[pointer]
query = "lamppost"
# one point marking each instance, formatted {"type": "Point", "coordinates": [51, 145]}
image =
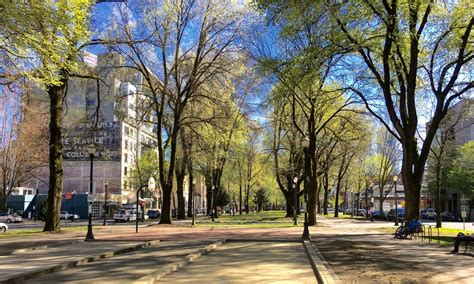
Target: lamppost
{"type": "Point", "coordinates": [74, 205]}
{"type": "Point", "coordinates": [91, 150]}
{"type": "Point", "coordinates": [352, 203]}
{"type": "Point", "coordinates": [295, 205]}
{"type": "Point", "coordinates": [395, 178]}
{"type": "Point", "coordinates": [212, 202]}
{"type": "Point", "coordinates": [192, 200]}
{"type": "Point", "coordinates": [105, 203]}
{"type": "Point", "coordinates": [366, 203]}
{"type": "Point", "coordinates": [372, 205]}
{"type": "Point", "coordinates": [305, 144]}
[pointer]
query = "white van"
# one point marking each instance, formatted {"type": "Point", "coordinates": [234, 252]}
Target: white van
{"type": "Point", "coordinates": [125, 215]}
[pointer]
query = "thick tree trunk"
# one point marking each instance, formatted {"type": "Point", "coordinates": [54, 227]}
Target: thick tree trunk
{"type": "Point", "coordinates": [52, 221]}
{"type": "Point", "coordinates": [438, 195]}
{"type": "Point", "coordinates": [289, 205]}
{"type": "Point", "coordinates": [166, 206]}
{"type": "Point", "coordinates": [180, 194]}
{"type": "Point", "coordinates": [412, 188]}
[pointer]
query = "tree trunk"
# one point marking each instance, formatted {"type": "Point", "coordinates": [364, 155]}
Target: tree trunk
{"type": "Point", "coordinates": [289, 205]}
{"type": "Point", "coordinates": [52, 221]}
{"type": "Point", "coordinates": [180, 194]}
{"type": "Point", "coordinates": [166, 206]}
{"type": "Point", "coordinates": [336, 204]}
{"type": "Point", "coordinates": [240, 196]}
{"type": "Point", "coordinates": [311, 200]}
{"type": "Point", "coordinates": [412, 188]}
{"type": "Point", "coordinates": [326, 193]}
{"type": "Point", "coordinates": [438, 194]}
{"type": "Point", "coordinates": [3, 204]}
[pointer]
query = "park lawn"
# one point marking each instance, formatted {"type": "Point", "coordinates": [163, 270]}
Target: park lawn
{"type": "Point", "coordinates": [446, 235]}
{"type": "Point", "coordinates": [264, 219]}
{"type": "Point", "coordinates": [39, 231]}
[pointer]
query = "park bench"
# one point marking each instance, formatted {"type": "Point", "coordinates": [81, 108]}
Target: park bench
{"type": "Point", "coordinates": [469, 245]}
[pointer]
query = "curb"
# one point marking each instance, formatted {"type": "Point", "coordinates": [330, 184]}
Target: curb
{"type": "Point", "coordinates": [61, 267]}
{"type": "Point", "coordinates": [58, 244]}
{"type": "Point", "coordinates": [168, 269]}
{"type": "Point", "coordinates": [324, 274]}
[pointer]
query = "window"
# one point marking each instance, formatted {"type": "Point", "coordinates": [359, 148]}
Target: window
{"type": "Point", "coordinates": [126, 144]}
{"type": "Point", "coordinates": [125, 184]}
{"type": "Point", "coordinates": [126, 130]}
{"type": "Point", "coordinates": [125, 171]}
{"type": "Point", "coordinates": [125, 158]}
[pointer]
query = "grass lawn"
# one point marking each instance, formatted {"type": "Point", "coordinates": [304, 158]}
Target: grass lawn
{"type": "Point", "coordinates": [264, 219]}
{"type": "Point", "coordinates": [36, 231]}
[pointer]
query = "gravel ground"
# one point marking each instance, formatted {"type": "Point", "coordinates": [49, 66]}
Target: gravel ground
{"type": "Point", "coordinates": [359, 254]}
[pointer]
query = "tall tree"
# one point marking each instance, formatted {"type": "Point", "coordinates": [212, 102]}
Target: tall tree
{"type": "Point", "coordinates": [178, 46]}
{"type": "Point", "coordinates": [43, 45]}
{"type": "Point", "coordinates": [409, 41]}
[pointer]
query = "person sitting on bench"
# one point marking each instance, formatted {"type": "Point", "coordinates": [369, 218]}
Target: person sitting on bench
{"type": "Point", "coordinates": [462, 238]}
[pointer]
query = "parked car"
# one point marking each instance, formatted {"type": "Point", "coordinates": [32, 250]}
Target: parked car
{"type": "Point", "coordinates": [331, 211]}
{"type": "Point", "coordinates": [448, 216]}
{"type": "Point", "coordinates": [67, 216]}
{"type": "Point", "coordinates": [9, 218]}
{"type": "Point", "coordinates": [153, 213]}
{"type": "Point", "coordinates": [125, 215]}
{"type": "Point", "coordinates": [348, 211]}
{"type": "Point", "coordinates": [3, 227]}
{"type": "Point", "coordinates": [423, 214]}
{"type": "Point", "coordinates": [376, 213]}
{"type": "Point", "coordinates": [391, 214]}
{"type": "Point", "coordinates": [430, 213]}
{"type": "Point", "coordinates": [362, 212]}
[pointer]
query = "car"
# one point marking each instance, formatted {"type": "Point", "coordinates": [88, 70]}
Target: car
{"type": "Point", "coordinates": [362, 212]}
{"type": "Point", "coordinates": [330, 210]}
{"type": "Point", "coordinates": [153, 213]}
{"type": "Point", "coordinates": [448, 216]}
{"type": "Point", "coordinates": [3, 227]}
{"type": "Point", "coordinates": [348, 211]}
{"type": "Point", "coordinates": [9, 218]}
{"type": "Point", "coordinates": [430, 213]}
{"type": "Point", "coordinates": [391, 214]}
{"type": "Point", "coordinates": [376, 213]}
{"type": "Point", "coordinates": [125, 215]}
{"type": "Point", "coordinates": [423, 214]}
{"type": "Point", "coordinates": [67, 216]}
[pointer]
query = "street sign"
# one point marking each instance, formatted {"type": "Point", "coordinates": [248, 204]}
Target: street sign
{"type": "Point", "coordinates": [463, 214]}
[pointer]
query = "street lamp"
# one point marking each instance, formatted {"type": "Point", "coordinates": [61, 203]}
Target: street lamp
{"type": "Point", "coordinates": [74, 205]}
{"type": "Point", "coordinates": [212, 202]}
{"type": "Point", "coordinates": [352, 203]}
{"type": "Point", "coordinates": [372, 205]}
{"type": "Point", "coordinates": [91, 150]}
{"type": "Point", "coordinates": [192, 200]}
{"type": "Point", "coordinates": [105, 203]}
{"type": "Point", "coordinates": [305, 144]}
{"type": "Point", "coordinates": [295, 194]}
{"type": "Point", "coordinates": [395, 178]}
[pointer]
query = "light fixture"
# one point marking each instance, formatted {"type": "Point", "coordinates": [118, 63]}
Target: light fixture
{"type": "Point", "coordinates": [91, 149]}
{"type": "Point", "coordinates": [305, 142]}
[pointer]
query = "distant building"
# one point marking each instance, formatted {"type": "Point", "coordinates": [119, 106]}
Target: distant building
{"type": "Point", "coordinates": [459, 127]}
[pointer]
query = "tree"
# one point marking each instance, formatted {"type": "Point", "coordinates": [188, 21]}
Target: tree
{"type": "Point", "coordinates": [178, 47]}
{"type": "Point", "coordinates": [23, 142]}
{"type": "Point", "coordinates": [461, 176]}
{"type": "Point", "coordinates": [44, 40]}
{"type": "Point", "coordinates": [261, 198]}
{"type": "Point", "coordinates": [222, 199]}
{"type": "Point", "coordinates": [410, 40]}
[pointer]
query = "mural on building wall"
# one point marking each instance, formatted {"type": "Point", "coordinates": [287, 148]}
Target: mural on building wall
{"type": "Point", "coordinates": [106, 137]}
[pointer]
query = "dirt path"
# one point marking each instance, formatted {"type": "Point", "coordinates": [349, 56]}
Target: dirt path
{"type": "Point", "coordinates": [358, 253]}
